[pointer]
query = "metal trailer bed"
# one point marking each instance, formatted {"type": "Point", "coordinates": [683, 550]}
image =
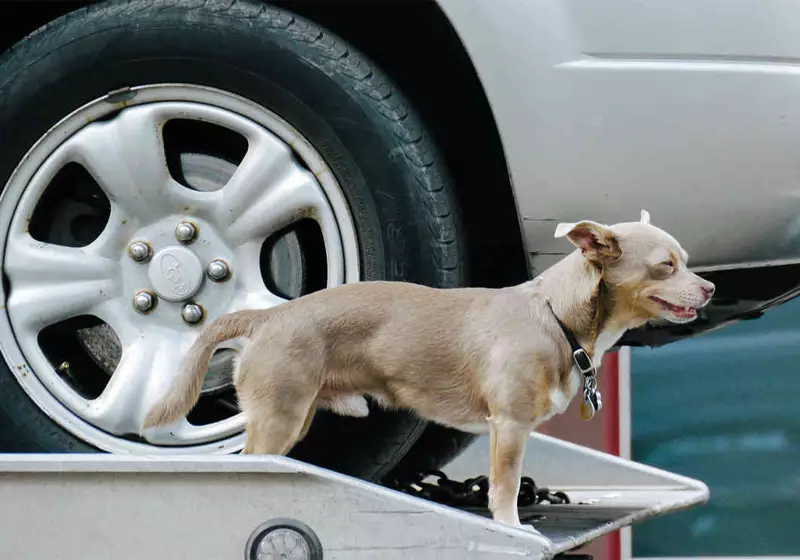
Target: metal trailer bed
{"type": "Point", "coordinates": [100, 506]}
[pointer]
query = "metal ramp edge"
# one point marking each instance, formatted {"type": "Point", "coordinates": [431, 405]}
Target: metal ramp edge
{"type": "Point", "coordinates": [607, 492]}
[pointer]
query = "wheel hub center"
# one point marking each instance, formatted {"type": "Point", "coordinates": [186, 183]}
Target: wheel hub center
{"type": "Point", "coordinates": [176, 273]}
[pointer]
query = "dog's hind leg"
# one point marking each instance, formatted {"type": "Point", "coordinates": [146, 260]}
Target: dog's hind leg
{"type": "Point", "coordinates": [277, 386]}
{"type": "Point", "coordinates": [307, 424]}
{"type": "Point", "coordinates": [279, 406]}
{"type": "Point", "coordinates": [507, 440]}
{"type": "Point", "coordinates": [275, 426]}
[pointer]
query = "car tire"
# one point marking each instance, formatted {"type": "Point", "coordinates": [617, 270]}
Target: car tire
{"type": "Point", "coordinates": [433, 450]}
{"type": "Point", "coordinates": [392, 176]}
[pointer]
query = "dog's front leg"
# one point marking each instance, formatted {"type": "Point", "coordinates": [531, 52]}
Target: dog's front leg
{"type": "Point", "coordinates": [507, 440]}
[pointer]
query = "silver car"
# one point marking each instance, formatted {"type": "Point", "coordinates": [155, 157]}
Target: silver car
{"type": "Point", "coordinates": [167, 161]}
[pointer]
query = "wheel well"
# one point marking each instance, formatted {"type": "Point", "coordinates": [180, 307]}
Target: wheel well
{"type": "Point", "coordinates": [416, 45]}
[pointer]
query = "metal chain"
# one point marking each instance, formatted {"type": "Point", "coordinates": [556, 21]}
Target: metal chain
{"type": "Point", "coordinates": [472, 492]}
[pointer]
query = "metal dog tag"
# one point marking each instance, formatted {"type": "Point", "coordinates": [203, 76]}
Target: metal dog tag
{"type": "Point", "coordinates": [592, 398]}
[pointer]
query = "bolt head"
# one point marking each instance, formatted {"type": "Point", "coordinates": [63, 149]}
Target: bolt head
{"type": "Point", "coordinates": [144, 301]}
{"type": "Point", "coordinates": [185, 232]}
{"type": "Point", "coordinates": [139, 251]}
{"type": "Point", "coordinates": [192, 313]}
{"type": "Point", "coordinates": [218, 270]}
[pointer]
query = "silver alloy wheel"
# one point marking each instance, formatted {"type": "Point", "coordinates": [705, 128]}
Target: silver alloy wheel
{"type": "Point", "coordinates": [118, 139]}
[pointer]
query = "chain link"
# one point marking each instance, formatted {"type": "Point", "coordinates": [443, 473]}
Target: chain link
{"type": "Point", "coordinates": [472, 492]}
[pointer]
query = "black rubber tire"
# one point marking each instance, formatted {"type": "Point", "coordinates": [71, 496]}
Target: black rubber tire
{"type": "Point", "coordinates": [433, 450]}
{"type": "Point", "coordinates": [395, 182]}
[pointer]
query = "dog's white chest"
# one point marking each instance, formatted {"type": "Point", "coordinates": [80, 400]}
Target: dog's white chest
{"type": "Point", "coordinates": [559, 400]}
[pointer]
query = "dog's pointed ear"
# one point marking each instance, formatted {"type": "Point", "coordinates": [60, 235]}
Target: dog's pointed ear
{"type": "Point", "coordinates": [596, 241]}
{"type": "Point", "coordinates": [645, 219]}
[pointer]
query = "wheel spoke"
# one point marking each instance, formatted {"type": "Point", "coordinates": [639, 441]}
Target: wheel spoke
{"type": "Point", "coordinates": [144, 374]}
{"type": "Point", "coordinates": [256, 299]}
{"type": "Point", "coordinates": [253, 293]}
{"type": "Point", "coordinates": [51, 283]}
{"type": "Point", "coordinates": [126, 157]}
{"type": "Point", "coordinates": [265, 162]}
{"type": "Point", "coordinates": [267, 192]}
{"type": "Point", "coordinates": [117, 233]}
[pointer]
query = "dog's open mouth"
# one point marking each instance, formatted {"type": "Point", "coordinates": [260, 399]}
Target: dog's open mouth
{"type": "Point", "coordinates": [676, 310]}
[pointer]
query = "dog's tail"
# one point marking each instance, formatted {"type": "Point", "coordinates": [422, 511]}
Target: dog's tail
{"type": "Point", "coordinates": [185, 389]}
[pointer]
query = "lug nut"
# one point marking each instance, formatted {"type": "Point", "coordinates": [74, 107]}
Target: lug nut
{"type": "Point", "coordinates": [186, 232]}
{"type": "Point", "coordinates": [140, 251]}
{"type": "Point", "coordinates": [218, 270]}
{"type": "Point", "coordinates": [144, 301]}
{"type": "Point", "coordinates": [192, 313]}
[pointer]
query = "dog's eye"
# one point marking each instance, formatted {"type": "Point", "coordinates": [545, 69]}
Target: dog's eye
{"type": "Point", "coordinates": [668, 264]}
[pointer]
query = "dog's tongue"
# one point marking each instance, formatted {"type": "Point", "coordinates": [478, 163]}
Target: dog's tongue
{"type": "Point", "coordinates": [676, 309]}
{"type": "Point", "coordinates": [679, 310]}
{"type": "Point", "coordinates": [682, 310]}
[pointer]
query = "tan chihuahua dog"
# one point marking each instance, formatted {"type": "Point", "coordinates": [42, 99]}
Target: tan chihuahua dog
{"type": "Point", "coordinates": [496, 360]}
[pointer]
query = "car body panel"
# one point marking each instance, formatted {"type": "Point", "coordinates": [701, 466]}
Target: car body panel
{"type": "Point", "coordinates": [688, 109]}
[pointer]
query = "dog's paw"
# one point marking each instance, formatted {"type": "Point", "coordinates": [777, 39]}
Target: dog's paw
{"type": "Point", "coordinates": [515, 523]}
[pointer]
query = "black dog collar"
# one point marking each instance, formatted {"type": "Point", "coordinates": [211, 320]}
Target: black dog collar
{"type": "Point", "coordinates": [592, 402]}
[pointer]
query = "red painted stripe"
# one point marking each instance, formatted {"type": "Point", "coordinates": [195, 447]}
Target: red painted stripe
{"type": "Point", "coordinates": [610, 383]}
